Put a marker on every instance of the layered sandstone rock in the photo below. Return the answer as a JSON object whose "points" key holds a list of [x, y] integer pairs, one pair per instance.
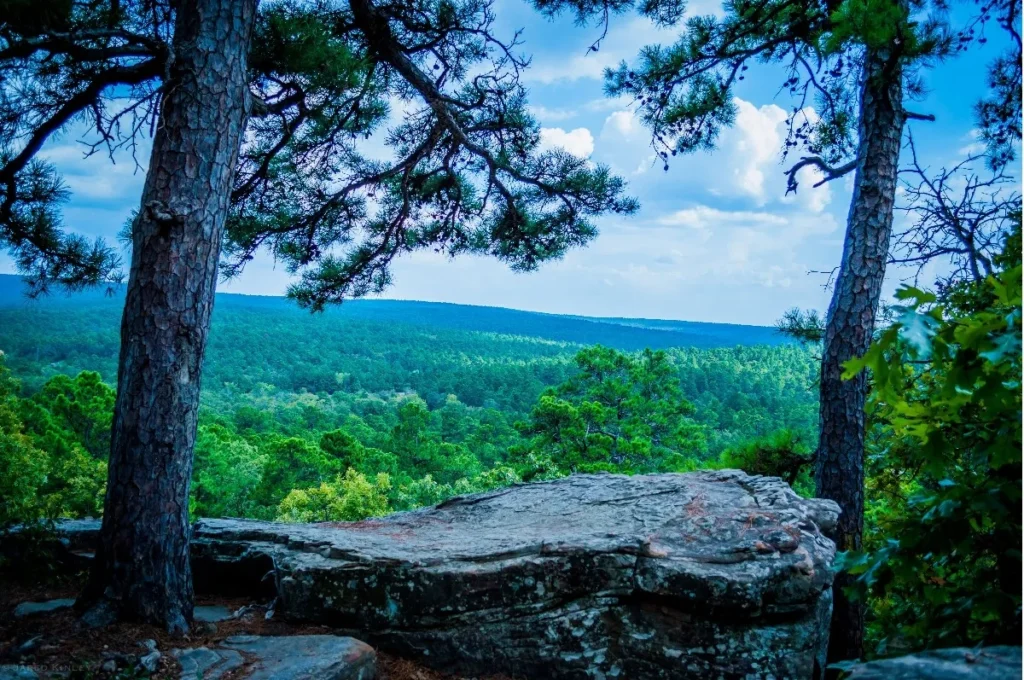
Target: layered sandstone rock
{"points": [[707, 574]]}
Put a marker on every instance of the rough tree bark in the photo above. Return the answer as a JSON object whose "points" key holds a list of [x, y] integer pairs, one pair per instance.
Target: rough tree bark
{"points": [[142, 568], [839, 468]]}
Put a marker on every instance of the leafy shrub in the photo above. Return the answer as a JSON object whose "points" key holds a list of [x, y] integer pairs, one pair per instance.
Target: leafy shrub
{"points": [[784, 454], [943, 562], [349, 498], [45, 471]]}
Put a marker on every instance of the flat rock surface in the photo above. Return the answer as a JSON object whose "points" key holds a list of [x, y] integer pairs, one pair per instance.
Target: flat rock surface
{"points": [[299, 657], [203, 663], [961, 663], [700, 575], [211, 613], [32, 608], [658, 576]]}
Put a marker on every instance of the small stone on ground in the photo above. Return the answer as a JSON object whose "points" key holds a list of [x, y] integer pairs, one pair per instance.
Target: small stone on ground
{"points": [[211, 613], [100, 615], [150, 662], [298, 657], [32, 608]]}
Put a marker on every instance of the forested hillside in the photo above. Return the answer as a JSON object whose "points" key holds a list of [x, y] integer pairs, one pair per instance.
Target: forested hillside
{"points": [[397, 404], [484, 356]]}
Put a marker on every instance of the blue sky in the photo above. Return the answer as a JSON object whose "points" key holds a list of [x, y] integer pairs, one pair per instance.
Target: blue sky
{"points": [[716, 239]]}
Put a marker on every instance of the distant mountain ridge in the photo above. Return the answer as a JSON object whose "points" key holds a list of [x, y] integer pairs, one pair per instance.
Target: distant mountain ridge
{"points": [[619, 332]]}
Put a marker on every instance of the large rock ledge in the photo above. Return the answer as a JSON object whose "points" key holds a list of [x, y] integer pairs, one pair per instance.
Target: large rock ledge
{"points": [[701, 575]]}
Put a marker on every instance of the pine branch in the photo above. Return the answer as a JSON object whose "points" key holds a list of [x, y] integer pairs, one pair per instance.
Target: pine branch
{"points": [[80, 101], [829, 171]]}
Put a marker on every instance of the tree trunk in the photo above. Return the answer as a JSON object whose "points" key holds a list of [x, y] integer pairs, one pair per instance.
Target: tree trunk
{"points": [[142, 570], [839, 468]]}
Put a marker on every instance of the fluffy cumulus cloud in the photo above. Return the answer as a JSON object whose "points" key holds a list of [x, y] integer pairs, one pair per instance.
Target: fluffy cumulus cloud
{"points": [[753, 145], [578, 142], [746, 163], [626, 143], [750, 153]]}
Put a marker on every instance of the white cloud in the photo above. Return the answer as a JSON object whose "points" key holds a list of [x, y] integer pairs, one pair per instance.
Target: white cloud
{"points": [[544, 114], [578, 67], [702, 216], [626, 144], [98, 179], [745, 164], [753, 142], [578, 142], [974, 146], [623, 124], [751, 151]]}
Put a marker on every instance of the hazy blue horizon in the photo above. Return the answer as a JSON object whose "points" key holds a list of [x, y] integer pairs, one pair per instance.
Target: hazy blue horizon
{"points": [[100, 291]]}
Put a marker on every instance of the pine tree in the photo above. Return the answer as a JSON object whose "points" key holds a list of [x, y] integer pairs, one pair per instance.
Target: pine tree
{"points": [[999, 113], [858, 63], [261, 118]]}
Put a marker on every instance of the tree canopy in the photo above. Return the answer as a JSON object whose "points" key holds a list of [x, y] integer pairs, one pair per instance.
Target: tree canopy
{"points": [[463, 170], [617, 412]]}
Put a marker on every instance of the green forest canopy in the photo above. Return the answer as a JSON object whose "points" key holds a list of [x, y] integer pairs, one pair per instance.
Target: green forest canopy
{"points": [[441, 398]]}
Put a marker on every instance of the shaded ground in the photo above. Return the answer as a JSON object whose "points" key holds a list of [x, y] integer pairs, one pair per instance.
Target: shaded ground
{"points": [[62, 644]]}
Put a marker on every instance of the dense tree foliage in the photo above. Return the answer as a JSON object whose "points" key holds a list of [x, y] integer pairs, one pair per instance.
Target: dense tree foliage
{"points": [[617, 412], [786, 454], [381, 415], [47, 467], [942, 562], [272, 368]]}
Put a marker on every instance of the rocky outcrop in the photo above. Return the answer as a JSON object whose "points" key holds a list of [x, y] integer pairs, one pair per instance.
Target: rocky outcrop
{"points": [[701, 575], [987, 663], [709, 574]]}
